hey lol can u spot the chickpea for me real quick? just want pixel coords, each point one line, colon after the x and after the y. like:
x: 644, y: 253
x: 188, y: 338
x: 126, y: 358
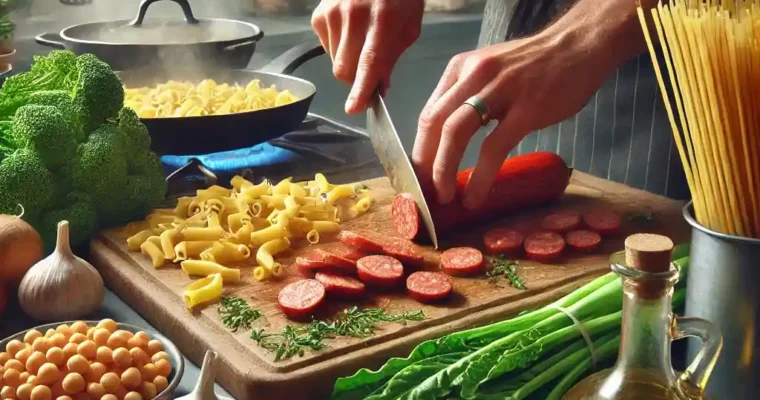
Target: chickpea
x: 57, y: 388
x: 4, y: 357
x: 23, y: 354
x: 87, y: 349
x: 124, y: 334
x: 139, y: 357
x: 13, y: 347
x: 58, y: 340
x: 79, y: 327
x: 149, y: 372
x: 50, y: 332
x: 121, y: 391
x: 24, y: 376
x: 65, y: 330
x: 91, y: 333
x: 154, y: 346
x: 70, y: 350
x: 32, y: 380
x: 78, y: 364
x: 63, y: 398
x: 115, y: 342
x: 131, y: 378
x: 163, y: 367
x: 107, y: 323
x: 97, y: 370
x: 95, y: 390
x: 109, y: 396
x: 110, y: 382
x: 8, y: 392
x: 122, y: 358
x: 24, y: 391
x: 41, y: 393
x: 12, y: 378
x: 161, y: 383
x: 35, y: 361
x: 142, y: 336
x: 133, y: 396
x: 73, y: 383
x: 148, y: 390
x: 56, y: 356
x: 100, y: 336
x: 14, y: 364
x: 104, y: 355
x: 42, y: 344
x: 48, y: 374
x: 30, y: 335
x: 159, y: 356
x: 136, y: 342
x: 77, y: 338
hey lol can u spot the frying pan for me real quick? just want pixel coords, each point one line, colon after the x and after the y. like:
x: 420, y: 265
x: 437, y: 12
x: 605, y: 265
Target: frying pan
x: 214, y: 133
x: 161, y: 43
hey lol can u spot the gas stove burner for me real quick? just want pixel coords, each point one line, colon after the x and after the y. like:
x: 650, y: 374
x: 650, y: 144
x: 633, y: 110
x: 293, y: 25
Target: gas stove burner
x: 75, y: 2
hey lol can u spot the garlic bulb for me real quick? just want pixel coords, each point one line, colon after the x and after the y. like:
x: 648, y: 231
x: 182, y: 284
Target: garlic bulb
x: 62, y: 286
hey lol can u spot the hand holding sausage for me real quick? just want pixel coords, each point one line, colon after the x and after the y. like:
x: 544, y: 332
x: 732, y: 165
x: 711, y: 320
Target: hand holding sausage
x: 527, y: 84
x: 365, y: 38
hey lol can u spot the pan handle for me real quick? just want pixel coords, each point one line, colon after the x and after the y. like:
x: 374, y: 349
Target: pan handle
x: 51, y: 40
x: 144, y: 4
x: 296, y: 56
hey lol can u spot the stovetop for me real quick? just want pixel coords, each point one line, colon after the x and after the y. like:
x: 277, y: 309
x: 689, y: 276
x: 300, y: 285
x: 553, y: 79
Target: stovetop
x: 341, y: 152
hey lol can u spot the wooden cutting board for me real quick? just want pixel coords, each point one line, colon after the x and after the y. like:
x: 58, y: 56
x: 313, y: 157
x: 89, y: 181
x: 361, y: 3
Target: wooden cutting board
x: 250, y: 372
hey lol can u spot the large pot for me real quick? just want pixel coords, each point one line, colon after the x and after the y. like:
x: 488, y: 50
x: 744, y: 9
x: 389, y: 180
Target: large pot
x: 724, y: 272
x: 164, y: 44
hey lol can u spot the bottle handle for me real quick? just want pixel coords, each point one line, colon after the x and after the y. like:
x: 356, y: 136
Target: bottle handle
x: 694, y: 380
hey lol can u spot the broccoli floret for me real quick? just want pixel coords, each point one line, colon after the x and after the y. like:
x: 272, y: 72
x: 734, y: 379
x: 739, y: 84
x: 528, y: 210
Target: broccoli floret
x: 135, y: 132
x: 43, y: 129
x: 25, y: 180
x: 61, y: 100
x: 98, y: 93
x: 100, y: 171
x: 79, y: 210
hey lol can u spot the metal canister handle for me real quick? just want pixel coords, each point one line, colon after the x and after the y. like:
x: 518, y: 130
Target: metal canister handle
x: 143, y: 8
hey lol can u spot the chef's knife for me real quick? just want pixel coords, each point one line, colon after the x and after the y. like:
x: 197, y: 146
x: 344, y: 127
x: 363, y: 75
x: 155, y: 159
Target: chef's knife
x: 396, y: 163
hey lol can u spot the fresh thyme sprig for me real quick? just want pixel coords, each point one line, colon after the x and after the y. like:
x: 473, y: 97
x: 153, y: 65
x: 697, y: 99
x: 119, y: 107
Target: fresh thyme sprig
x: 236, y: 313
x: 353, y: 322
x: 506, y: 268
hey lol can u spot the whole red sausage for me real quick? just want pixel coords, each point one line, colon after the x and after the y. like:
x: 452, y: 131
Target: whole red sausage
x: 522, y: 181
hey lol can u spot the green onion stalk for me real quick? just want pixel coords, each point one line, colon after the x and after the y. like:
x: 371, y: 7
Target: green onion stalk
x: 536, y: 355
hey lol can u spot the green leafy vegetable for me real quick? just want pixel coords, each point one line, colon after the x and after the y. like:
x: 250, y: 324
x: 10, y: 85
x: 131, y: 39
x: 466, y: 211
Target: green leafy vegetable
x: 353, y: 322
x: 519, y: 358
x: 508, y: 269
x: 236, y: 313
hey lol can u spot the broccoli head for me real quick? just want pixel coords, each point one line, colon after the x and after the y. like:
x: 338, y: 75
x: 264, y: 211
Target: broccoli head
x: 63, y: 101
x: 78, y: 209
x: 98, y: 93
x: 135, y: 132
x: 25, y: 180
x: 43, y: 129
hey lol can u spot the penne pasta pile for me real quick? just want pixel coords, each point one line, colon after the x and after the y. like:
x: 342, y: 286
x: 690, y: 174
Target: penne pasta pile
x: 220, y: 229
x: 710, y: 81
x: 184, y: 99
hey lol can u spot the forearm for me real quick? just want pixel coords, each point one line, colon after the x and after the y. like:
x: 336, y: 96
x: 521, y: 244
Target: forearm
x: 608, y: 29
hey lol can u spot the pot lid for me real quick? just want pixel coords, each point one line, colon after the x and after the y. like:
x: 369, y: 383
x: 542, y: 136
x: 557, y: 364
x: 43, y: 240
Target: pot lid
x: 141, y: 31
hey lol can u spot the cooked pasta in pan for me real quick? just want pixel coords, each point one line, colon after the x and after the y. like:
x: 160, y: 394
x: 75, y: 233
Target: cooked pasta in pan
x: 185, y: 99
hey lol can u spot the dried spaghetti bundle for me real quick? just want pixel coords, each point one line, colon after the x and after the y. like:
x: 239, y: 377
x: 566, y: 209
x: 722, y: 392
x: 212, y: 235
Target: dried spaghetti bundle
x: 710, y: 83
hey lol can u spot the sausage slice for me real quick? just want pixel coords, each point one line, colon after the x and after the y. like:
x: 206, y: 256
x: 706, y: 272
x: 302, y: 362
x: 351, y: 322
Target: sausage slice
x: 427, y: 287
x: 302, y: 298
x: 380, y: 271
x: 544, y: 246
x: 462, y: 261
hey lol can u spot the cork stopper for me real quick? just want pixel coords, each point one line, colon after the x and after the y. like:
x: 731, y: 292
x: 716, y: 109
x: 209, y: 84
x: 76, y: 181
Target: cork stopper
x: 648, y: 252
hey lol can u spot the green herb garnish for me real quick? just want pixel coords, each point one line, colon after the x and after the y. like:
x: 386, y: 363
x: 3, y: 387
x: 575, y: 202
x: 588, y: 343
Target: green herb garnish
x: 236, y: 313
x: 352, y: 322
x: 507, y: 269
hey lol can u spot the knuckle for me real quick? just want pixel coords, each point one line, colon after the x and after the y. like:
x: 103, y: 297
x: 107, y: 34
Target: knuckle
x: 426, y: 120
x: 352, y: 9
x: 341, y: 71
x: 370, y: 58
x: 450, y: 131
x: 481, y: 65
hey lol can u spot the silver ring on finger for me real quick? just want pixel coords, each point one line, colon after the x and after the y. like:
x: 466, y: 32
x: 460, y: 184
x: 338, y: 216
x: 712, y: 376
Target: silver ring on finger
x: 480, y: 106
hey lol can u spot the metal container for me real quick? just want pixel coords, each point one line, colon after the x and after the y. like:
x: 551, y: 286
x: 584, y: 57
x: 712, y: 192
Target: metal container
x: 723, y: 287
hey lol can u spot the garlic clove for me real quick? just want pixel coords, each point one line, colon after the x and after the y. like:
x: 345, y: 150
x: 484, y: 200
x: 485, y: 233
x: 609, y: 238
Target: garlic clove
x: 204, y: 389
x: 61, y: 286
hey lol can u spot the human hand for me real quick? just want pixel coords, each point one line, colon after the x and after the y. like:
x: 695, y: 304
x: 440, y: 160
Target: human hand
x: 528, y: 84
x: 365, y: 38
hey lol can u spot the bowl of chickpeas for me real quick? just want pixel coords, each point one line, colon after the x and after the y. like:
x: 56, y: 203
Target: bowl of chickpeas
x: 89, y: 360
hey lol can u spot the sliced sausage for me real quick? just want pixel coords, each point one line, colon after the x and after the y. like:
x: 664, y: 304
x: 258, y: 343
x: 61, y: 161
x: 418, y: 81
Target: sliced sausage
x: 351, y: 253
x: 404, y: 251
x: 602, y: 222
x: 302, y: 298
x: 319, y: 259
x: 380, y: 271
x: 340, y: 286
x: 561, y: 221
x: 427, y: 287
x: 544, y: 246
x: 462, y: 261
x: 583, y: 240
x: 363, y: 243
x: 503, y: 240
x: 406, y: 215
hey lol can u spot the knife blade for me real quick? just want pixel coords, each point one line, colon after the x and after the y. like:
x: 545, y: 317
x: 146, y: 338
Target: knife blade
x: 398, y: 167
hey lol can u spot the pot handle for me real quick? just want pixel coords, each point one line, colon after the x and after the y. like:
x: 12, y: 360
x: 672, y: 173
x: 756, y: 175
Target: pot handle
x: 51, y: 40
x: 296, y: 56
x: 143, y: 8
